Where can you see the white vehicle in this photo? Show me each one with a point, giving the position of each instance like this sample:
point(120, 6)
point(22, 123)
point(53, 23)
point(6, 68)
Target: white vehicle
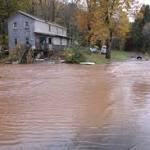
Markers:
point(103, 49)
point(93, 49)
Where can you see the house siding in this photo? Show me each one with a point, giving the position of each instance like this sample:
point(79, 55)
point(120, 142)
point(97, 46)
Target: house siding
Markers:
point(50, 29)
point(20, 33)
point(64, 42)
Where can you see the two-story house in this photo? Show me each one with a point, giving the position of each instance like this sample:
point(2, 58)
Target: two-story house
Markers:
point(24, 28)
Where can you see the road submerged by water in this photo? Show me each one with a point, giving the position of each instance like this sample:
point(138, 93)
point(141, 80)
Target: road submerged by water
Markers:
point(73, 107)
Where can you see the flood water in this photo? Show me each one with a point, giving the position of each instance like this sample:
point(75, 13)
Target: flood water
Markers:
point(75, 107)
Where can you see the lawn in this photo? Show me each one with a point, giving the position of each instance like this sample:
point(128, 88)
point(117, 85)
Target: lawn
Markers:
point(100, 59)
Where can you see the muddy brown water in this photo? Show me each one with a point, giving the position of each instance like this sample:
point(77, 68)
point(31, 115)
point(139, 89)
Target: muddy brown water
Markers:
point(74, 107)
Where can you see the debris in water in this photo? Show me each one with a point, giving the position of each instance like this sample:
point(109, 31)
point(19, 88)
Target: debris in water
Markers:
point(87, 63)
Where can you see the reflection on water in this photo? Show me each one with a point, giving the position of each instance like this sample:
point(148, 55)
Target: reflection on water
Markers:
point(72, 107)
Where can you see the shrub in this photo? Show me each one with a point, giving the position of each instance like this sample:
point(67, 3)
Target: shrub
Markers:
point(13, 56)
point(74, 55)
point(4, 54)
point(4, 40)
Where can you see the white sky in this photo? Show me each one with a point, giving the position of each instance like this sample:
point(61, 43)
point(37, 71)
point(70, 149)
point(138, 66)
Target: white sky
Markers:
point(141, 1)
point(144, 1)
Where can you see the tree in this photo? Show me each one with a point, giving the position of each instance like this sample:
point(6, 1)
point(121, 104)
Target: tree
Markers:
point(46, 9)
point(146, 14)
point(83, 17)
point(6, 8)
point(140, 26)
point(65, 17)
point(107, 18)
point(136, 34)
point(146, 36)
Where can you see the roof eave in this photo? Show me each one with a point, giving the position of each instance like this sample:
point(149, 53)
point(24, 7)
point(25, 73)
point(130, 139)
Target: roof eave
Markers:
point(37, 19)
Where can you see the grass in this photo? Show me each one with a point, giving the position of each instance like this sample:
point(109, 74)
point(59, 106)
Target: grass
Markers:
point(120, 55)
point(100, 59)
point(97, 58)
point(83, 54)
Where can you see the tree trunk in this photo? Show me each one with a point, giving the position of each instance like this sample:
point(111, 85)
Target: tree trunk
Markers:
point(53, 11)
point(3, 32)
point(33, 8)
point(109, 43)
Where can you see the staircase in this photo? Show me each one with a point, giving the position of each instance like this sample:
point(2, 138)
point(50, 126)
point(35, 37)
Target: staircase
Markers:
point(23, 59)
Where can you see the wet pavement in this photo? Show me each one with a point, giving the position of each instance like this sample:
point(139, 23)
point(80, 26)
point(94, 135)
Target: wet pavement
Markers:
point(75, 107)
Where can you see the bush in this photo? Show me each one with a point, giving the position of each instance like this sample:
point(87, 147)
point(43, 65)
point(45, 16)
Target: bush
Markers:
point(4, 40)
point(13, 56)
point(4, 54)
point(74, 55)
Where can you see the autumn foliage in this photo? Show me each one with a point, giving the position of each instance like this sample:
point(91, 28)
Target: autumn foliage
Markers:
point(104, 19)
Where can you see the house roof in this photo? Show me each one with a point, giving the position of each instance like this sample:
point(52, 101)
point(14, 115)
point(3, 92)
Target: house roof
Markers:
point(38, 19)
point(52, 35)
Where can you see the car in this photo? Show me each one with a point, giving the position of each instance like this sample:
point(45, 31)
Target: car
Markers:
point(104, 49)
point(93, 49)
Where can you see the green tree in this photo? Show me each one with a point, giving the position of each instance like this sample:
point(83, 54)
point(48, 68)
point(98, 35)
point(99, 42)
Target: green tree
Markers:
point(146, 14)
point(139, 28)
point(146, 37)
point(7, 8)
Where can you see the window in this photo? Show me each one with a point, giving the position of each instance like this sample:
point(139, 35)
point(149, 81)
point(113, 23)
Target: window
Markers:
point(50, 28)
point(57, 31)
point(26, 25)
point(27, 40)
point(16, 42)
point(61, 42)
point(50, 41)
point(61, 30)
point(15, 25)
point(64, 32)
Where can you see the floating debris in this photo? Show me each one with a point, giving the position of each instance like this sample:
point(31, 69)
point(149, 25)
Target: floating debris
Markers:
point(87, 63)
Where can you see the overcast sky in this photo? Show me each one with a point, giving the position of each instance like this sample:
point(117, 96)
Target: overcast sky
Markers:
point(145, 1)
